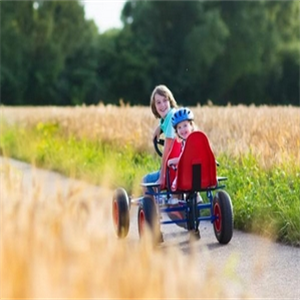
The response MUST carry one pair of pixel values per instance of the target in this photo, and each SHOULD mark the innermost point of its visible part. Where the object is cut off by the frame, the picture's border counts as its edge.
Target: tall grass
(62, 247)
(272, 134)
(258, 148)
(266, 202)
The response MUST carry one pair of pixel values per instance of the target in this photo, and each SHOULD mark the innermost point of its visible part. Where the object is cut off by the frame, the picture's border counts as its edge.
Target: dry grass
(270, 133)
(62, 247)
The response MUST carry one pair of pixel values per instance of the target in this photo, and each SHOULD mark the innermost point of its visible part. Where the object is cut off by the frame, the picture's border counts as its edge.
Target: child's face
(184, 129)
(162, 105)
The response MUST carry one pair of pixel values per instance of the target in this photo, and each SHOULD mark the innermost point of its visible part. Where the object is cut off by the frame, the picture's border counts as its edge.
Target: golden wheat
(62, 247)
(270, 133)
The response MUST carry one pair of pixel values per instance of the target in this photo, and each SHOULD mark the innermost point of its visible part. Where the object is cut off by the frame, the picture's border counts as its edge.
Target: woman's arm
(167, 148)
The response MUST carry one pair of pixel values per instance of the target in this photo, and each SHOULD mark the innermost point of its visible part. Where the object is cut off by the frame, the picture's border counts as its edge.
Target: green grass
(266, 202)
(98, 163)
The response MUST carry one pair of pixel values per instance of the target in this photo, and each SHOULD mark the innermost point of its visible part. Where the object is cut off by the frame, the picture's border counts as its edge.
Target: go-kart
(196, 173)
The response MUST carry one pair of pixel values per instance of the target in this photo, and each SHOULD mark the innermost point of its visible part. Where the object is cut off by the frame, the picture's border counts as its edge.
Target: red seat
(197, 165)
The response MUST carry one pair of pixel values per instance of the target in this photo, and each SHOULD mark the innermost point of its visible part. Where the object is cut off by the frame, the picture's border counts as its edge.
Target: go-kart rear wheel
(120, 212)
(148, 216)
(193, 214)
(223, 224)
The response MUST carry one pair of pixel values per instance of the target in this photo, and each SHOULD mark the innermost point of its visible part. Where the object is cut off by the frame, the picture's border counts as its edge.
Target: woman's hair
(161, 90)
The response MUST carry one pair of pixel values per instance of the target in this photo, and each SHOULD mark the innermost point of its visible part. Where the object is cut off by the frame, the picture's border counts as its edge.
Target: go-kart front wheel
(120, 212)
(223, 213)
(148, 216)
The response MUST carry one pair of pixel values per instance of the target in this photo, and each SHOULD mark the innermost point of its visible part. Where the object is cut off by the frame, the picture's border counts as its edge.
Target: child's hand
(170, 163)
(173, 162)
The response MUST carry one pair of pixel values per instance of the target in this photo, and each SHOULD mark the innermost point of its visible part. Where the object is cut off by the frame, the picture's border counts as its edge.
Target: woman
(163, 106)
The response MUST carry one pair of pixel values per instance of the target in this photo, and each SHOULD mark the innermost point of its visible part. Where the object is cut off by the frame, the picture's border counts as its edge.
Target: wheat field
(60, 248)
(270, 133)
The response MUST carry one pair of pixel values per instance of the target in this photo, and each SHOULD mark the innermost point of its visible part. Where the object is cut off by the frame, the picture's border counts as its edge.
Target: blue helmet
(182, 114)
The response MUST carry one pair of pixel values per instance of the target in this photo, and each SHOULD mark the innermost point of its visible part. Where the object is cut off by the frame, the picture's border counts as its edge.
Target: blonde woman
(163, 106)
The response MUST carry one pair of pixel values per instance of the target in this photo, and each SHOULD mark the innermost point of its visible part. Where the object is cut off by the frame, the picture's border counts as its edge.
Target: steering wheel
(158, 145)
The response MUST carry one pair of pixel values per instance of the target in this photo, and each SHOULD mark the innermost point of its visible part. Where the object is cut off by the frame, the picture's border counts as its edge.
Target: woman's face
(184, 129)
(162, 105)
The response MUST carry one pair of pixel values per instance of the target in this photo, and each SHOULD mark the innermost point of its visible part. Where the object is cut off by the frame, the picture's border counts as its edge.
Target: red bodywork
(196, 168)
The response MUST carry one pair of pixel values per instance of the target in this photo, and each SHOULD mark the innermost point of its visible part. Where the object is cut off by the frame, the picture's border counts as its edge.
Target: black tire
(223, 224)
(148, 216)
(193, 213)
(120, 212)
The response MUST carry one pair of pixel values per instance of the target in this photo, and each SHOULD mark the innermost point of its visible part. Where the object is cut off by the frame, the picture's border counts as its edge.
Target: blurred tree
(124, 67)
(283, 84)
(70, 54)
(203, 46)
(226, 51)
(16, 25)
(255, 51)
(162, 28)
(55, 51)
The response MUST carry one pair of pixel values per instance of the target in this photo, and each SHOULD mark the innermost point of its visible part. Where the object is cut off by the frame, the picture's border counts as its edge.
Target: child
(183, 123)
(163, 106)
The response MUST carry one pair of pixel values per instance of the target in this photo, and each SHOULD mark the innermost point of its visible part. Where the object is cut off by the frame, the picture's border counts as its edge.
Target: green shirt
(166, 124)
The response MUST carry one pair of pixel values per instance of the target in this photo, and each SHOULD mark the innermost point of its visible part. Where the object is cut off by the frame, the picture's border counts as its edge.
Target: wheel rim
(115, 213)
(141, 221)
(218, 216)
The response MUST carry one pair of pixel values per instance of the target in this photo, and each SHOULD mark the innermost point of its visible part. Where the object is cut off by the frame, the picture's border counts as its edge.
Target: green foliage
(265, 201)
(124, 65)
(43, 48)
(226, 51)
(96, 162)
